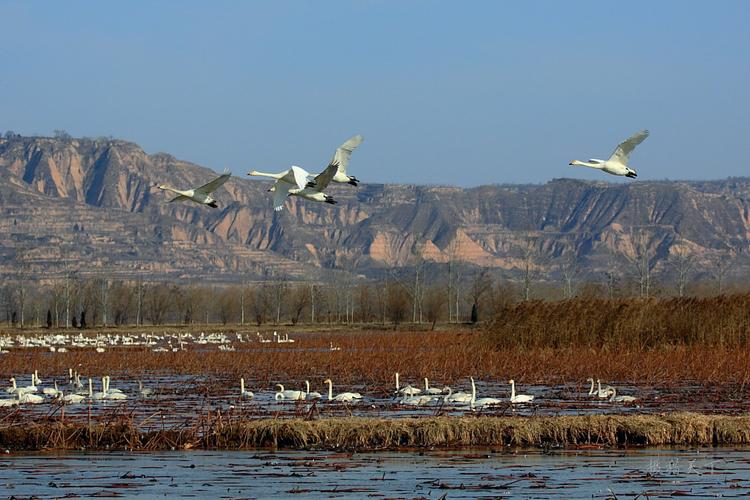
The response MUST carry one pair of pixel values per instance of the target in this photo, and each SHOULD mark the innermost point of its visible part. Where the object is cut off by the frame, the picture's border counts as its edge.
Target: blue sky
(463, 93)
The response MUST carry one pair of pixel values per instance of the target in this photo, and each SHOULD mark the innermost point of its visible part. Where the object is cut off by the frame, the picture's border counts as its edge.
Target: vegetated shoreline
(372, 434)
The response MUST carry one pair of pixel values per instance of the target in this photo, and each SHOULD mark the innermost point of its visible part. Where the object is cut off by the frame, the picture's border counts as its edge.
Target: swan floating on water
(344, 397)
(518, 398)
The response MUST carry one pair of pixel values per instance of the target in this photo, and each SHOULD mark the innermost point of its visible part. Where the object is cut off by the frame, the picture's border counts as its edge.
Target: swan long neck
(242, 385)
(164, 187)
(281, 387)
(512, 389)
(597, 166)
(91, 388)
(614, 393)
(307, 386)
(330, 389)
(397, 387)
(591, 390)
(266, 174)
(426, 384)
(473, 391)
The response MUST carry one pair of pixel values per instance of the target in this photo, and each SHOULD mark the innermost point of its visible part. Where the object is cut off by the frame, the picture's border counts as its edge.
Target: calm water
(480, 473)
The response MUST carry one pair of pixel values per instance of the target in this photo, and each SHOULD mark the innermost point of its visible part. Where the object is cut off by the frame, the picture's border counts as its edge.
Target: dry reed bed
(357, 434)
(371, 359)
(712, 321)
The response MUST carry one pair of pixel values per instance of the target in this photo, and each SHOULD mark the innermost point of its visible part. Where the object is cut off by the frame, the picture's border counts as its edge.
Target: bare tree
(261, 303)
(454, 277)
(528, 267)
(227, 305)
(158, 299)
(643, 262)
(434, 303)
(682, 262)
(722, 266)
(139, 291)
(398, 303)
(299, 300)
(481, 285)
(569, 271)
(279, 290)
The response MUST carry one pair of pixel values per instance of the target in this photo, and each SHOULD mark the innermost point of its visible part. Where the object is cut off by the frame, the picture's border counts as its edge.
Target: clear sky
(462, 93)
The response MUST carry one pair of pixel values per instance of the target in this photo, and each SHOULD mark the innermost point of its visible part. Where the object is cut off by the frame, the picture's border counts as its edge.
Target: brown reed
(377, 434)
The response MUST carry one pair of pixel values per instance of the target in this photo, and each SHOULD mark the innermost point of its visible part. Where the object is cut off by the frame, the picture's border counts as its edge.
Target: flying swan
(617, 164)
(200, 195)
(341, 157)
(312, 191)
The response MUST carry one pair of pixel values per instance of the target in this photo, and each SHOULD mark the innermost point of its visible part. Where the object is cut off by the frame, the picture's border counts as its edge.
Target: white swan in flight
(314, 189)
(617, 164)
(341, 157)
(518, 398)
(295, 177)
(200, 195)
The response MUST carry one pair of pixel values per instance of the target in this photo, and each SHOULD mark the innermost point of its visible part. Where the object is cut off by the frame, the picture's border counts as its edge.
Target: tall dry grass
(722, 321)
(370, 360)
(351, 433)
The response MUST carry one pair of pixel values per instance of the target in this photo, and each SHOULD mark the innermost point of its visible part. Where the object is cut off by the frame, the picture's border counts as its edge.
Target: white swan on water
(313, 394)
(456, 397)
(408, 390)
(288, 394)
(481, 402)
(605, 392)
(344, 397)
(431, 390)
(620, 399)
(518, 398)
(617, 164)
(243, 392)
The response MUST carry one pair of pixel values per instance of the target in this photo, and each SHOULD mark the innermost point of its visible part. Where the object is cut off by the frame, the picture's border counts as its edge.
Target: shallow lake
(477, 473)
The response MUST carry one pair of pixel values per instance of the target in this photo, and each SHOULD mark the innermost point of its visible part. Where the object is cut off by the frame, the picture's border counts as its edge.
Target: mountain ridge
(104, 183)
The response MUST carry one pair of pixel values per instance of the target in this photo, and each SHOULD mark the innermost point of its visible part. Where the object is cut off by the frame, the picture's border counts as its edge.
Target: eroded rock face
(96, 200)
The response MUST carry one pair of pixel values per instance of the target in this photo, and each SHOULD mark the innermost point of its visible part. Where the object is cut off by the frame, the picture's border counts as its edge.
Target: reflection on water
(407, 474)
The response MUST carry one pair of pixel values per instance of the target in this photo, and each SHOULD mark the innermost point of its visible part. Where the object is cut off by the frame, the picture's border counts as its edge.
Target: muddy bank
(359, 434)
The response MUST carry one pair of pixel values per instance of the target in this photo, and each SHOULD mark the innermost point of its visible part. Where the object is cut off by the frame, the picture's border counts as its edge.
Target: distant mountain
(90, 204)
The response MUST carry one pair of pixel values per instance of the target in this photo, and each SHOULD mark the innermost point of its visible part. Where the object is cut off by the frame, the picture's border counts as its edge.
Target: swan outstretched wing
(281, 191)
(324, 178)
(214, 184)
(623, 150)
(344, 153)
(297, 176)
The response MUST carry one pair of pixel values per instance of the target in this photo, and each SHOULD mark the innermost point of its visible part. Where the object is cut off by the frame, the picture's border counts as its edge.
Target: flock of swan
(297, 181)
(156, 342)
(75, 392)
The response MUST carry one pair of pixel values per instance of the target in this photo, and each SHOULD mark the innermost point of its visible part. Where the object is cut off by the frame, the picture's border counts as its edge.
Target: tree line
(419, 294)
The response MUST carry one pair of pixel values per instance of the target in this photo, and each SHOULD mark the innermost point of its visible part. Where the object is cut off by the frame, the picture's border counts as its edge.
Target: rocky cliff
(92, 204)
